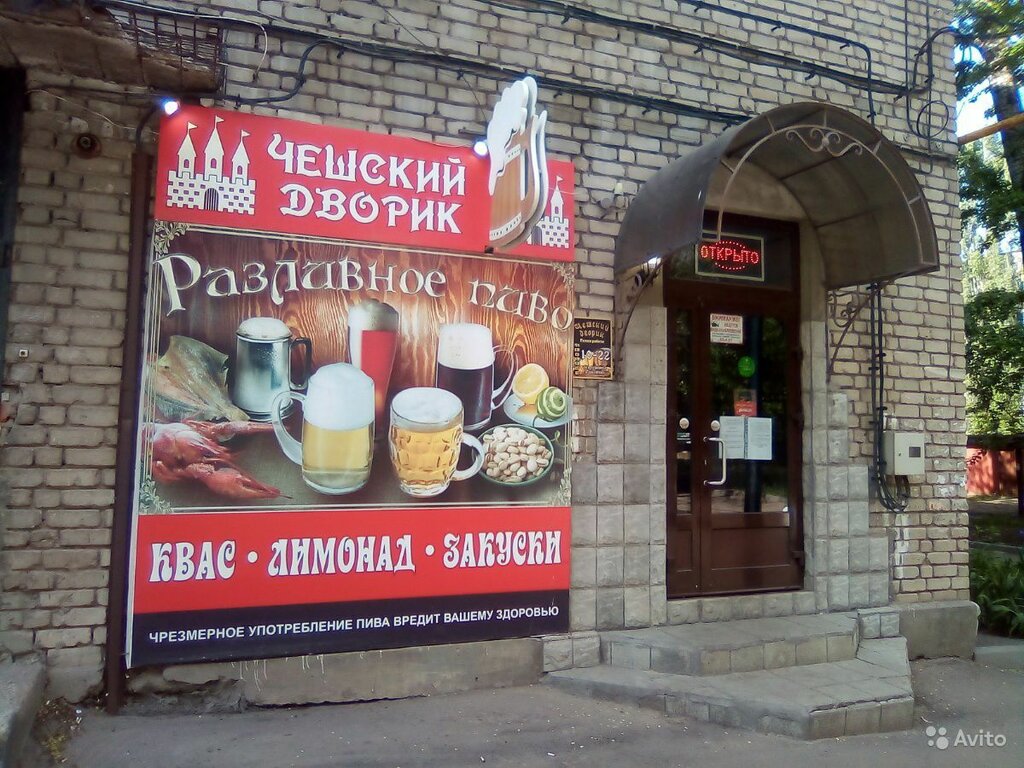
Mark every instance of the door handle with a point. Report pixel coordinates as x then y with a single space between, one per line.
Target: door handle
723 457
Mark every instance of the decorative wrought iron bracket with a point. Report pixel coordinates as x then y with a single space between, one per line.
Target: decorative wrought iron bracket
844 307
628 288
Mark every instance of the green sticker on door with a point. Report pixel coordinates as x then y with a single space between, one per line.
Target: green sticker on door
746 366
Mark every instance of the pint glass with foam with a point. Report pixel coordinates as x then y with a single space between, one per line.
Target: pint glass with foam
337 429
425 440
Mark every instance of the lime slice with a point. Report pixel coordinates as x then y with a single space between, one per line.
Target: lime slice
552 404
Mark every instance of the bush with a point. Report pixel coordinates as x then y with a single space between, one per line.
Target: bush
997 586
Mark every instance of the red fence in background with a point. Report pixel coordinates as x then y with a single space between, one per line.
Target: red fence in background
991 472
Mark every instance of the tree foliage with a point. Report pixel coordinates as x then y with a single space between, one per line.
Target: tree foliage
992 35
996 28
987 197
988 268
995 362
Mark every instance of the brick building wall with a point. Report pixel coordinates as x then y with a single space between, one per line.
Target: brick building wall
70 261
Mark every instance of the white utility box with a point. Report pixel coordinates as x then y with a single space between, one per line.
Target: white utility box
903 453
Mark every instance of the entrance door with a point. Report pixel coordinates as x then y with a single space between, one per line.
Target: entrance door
734 511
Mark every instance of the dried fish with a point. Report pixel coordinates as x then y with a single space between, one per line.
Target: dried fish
190 382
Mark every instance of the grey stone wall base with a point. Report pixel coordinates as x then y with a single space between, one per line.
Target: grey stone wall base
577 649
879 622
933 630
21 693
367 675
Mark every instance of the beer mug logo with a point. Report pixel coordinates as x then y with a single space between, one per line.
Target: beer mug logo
337 429
518 181
425 440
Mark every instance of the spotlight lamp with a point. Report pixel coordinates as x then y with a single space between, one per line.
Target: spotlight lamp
169 105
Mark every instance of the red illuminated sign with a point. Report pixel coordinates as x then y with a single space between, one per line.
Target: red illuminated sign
731 257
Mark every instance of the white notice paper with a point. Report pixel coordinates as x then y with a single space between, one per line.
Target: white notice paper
759 439
732 436
726 329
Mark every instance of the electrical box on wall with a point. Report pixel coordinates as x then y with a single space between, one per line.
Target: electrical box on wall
903 453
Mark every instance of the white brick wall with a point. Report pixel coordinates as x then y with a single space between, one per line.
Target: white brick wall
70 260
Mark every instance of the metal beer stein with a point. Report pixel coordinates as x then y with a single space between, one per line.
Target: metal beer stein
263 363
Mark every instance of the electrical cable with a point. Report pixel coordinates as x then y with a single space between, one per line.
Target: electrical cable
398 22
461 66
300 76
736 50
893 499
80 106
778 24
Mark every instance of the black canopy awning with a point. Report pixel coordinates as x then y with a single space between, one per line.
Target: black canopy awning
859 194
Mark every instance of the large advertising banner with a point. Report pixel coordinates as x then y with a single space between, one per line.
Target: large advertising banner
355 411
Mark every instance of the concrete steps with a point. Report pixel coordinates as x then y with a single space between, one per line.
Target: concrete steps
733 646
750 674
21 694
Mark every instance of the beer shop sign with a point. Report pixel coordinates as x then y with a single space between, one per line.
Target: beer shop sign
356 397
240 171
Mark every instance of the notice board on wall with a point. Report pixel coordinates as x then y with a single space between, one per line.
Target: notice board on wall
338 439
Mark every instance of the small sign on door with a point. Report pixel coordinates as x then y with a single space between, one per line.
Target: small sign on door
744 402
726 329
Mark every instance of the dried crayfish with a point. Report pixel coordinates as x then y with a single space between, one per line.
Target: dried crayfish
189 451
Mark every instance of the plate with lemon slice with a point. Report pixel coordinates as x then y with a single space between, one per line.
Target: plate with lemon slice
534 402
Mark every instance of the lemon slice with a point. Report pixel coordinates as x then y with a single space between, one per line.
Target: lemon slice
529 382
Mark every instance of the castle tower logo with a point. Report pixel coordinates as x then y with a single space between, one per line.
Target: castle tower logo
213 189
552 230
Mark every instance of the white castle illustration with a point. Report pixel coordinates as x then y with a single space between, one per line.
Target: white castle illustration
211 190
553 229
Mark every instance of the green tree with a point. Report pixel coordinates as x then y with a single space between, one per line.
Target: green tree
989 203
994 31
995 362
987 264
988 269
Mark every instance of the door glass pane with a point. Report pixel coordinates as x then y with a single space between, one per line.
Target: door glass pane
684 405
748 398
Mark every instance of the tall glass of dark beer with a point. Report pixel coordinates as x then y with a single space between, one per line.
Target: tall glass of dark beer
465 367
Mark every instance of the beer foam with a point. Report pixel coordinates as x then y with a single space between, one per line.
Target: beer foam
466 346
509 118
339 397
264 329
425 406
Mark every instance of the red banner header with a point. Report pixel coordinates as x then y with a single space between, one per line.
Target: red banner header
242 171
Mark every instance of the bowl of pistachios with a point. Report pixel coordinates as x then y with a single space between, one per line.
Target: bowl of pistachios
516 455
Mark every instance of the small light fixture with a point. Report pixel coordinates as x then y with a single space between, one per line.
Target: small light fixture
169 105
480 148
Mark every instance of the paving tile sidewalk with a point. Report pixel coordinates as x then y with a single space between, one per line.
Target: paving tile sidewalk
539 726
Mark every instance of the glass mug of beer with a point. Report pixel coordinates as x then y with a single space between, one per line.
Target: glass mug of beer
337 429
426 438
465 367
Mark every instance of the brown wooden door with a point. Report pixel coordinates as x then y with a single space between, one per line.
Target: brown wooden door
734 511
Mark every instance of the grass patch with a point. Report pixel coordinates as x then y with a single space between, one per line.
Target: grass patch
997 586
997 529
